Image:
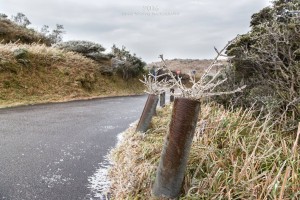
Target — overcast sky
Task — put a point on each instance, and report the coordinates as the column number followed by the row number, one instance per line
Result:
column 175, row 28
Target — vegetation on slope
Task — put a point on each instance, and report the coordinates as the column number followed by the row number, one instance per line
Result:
column 233, row 156
column 12, row 32
column 249, row 150
column 267, row 60
column 31, row 71
column 37, row 73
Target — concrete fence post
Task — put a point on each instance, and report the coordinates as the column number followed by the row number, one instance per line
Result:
column 172, row 95
column 148, row 112
column 162, row 99
column 174, row 157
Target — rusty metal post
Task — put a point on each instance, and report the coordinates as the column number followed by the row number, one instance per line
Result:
column 148, row 112
column 162, row 99
column 172, row 95
column 174, row 157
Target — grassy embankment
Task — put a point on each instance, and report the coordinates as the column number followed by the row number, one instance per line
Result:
column 12, row 32
column 32, row 72
column 233, row 156
column 47, row 74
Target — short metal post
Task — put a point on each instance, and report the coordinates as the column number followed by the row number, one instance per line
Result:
column 172, row 95
column 174, row 157
column 162, row 99
column 148, row 112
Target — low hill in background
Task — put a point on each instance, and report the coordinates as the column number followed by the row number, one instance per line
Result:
column 187, row 65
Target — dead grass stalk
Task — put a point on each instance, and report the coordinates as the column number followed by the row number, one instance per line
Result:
column 233, row 156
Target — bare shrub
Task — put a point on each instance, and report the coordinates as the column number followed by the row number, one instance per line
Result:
column 266, row 59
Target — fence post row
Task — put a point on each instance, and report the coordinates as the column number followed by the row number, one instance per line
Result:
column 174, row 157
column 148, row 112
column 172, row 95
column 162, row 99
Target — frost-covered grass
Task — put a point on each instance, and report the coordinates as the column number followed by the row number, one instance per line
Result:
column 99, row 183
column 233, row 156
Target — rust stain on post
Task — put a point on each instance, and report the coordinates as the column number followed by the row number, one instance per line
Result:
column 148, row 112
column 173, row 161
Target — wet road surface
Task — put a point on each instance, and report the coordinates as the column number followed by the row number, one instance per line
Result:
column 48, row 151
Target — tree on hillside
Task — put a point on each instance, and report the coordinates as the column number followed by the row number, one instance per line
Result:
column 45, row 30
column 56, row 34
column 3, row 16
column 132, row 66
column 81, row 46
column 266, row 59
column 21, row 19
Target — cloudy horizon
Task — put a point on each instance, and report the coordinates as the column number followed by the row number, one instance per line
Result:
column 177, row 29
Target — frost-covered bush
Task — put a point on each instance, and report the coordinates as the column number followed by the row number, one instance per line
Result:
column 128, row 65
column 267, row 60
column 88, row 49
column 97, row 56
column 81, row 46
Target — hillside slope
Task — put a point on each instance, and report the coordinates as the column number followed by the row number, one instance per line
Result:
column 11, row 32
column 37, row 73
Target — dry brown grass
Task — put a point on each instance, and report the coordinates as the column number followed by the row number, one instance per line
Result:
column 50, row 75
column 11, row 32
column 233, row 156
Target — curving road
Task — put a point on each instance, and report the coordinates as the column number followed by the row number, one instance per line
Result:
column 47, row 152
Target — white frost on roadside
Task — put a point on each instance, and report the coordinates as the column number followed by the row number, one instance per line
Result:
column 120, row 136
column 56, row 179
column 99, row 182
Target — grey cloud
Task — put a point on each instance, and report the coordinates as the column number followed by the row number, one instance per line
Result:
column 179, row 29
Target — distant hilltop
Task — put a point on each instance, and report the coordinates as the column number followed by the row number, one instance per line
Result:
column 185, row 66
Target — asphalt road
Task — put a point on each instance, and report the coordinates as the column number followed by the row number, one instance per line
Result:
column 49, row 151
